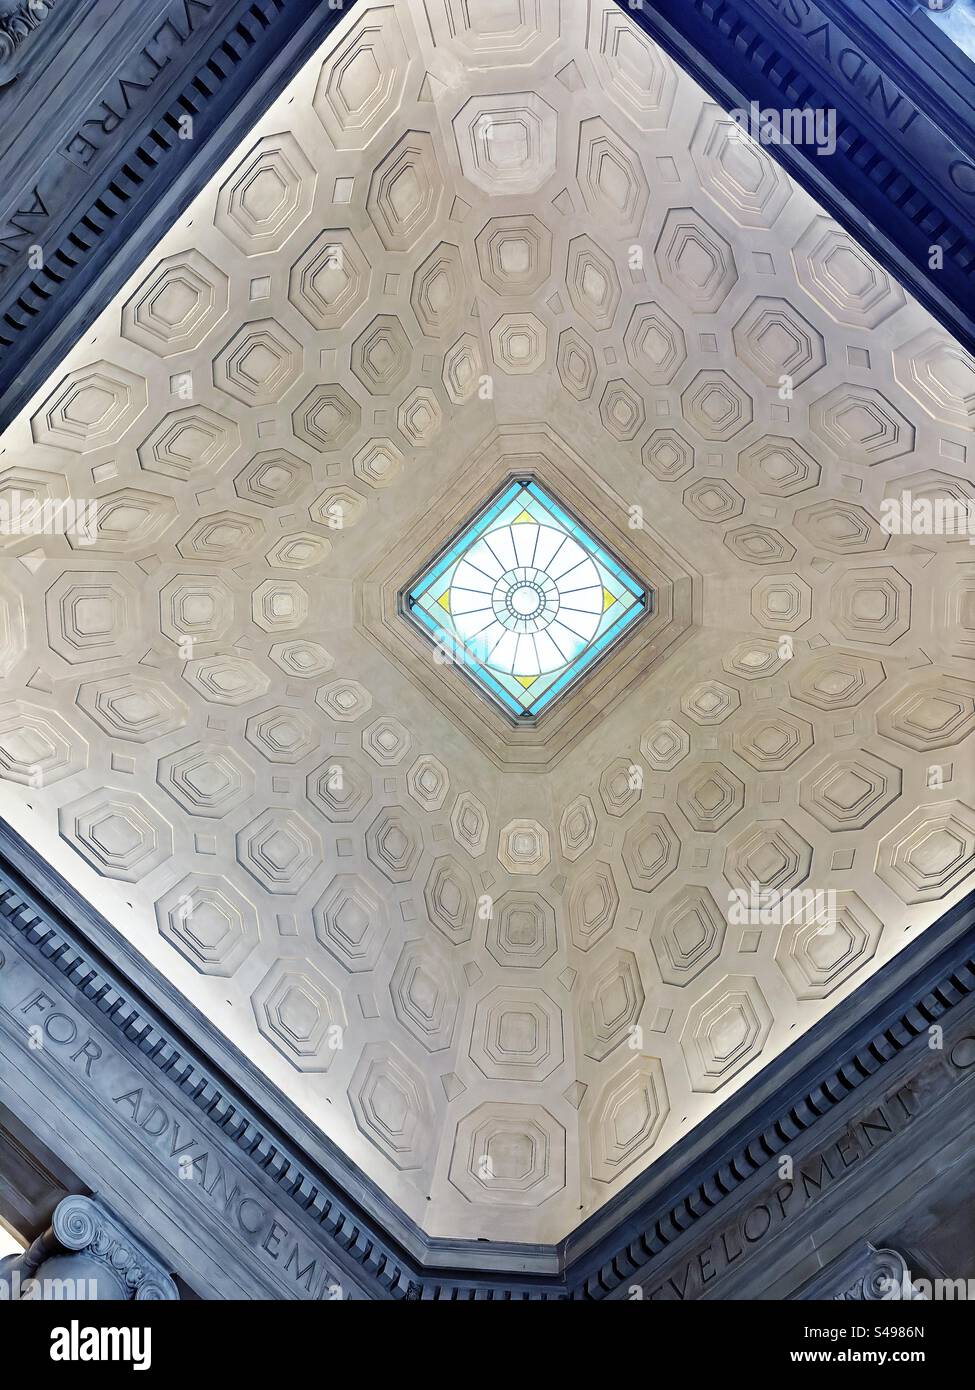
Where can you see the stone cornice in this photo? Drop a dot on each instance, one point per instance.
(97, 184)
(843, 1077)
(785, 1108)
(133, 1024)
(114, 166)
(902, 178)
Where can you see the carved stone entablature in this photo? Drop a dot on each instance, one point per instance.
(86, 1253)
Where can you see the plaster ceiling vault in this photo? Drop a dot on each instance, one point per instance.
(533, 194)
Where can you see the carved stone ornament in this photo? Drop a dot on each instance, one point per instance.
(85, 1253)
(864, 1274)
(18, 20)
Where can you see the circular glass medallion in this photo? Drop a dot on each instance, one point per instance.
(528, 598)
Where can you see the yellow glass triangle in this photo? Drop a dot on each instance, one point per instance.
(523, 517)
(526, 681)
(608, 599)
(444, 600)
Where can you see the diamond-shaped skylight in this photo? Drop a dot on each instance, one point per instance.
(525, 600)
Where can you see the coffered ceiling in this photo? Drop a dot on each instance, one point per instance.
(475, 239)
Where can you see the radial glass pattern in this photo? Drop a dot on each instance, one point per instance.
(525, 599)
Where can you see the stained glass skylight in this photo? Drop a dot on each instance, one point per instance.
(525, 599)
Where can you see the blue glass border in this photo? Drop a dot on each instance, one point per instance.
(463, 659)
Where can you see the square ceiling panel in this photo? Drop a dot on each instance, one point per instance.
(525, 599)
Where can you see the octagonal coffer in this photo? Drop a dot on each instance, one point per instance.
(525, 600)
